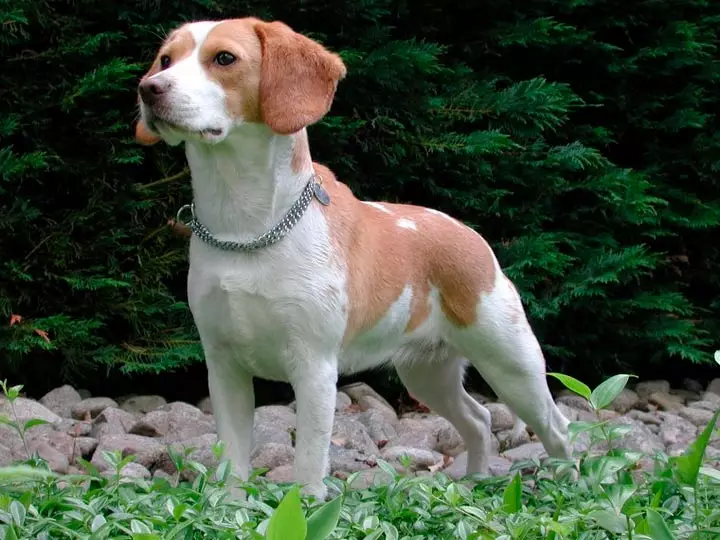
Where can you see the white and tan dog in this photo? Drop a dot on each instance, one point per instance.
(351, 285)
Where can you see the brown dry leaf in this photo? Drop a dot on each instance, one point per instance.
(15, 319)
(338, 442)
(353, 408)
(444, 462)
(42, 333)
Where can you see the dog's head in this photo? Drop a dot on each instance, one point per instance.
(210, 77)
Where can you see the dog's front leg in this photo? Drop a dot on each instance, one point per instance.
(233, 402)
(315, 389)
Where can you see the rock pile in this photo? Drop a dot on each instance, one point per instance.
(366, 428)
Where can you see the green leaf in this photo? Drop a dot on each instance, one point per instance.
(687, 466)
(287, 521)
(658, 528)
(512, 497)
(710, 473)
(97, 522)
(609, 520)
(34, 422)
(324, 520)
(571, 383)
(18, 512)
(608, 390)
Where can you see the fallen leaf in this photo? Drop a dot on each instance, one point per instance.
(353, 407)
(381, 443)
(15, 319)
(42, 333)
(338, 442)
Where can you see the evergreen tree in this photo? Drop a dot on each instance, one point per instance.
(578, 137)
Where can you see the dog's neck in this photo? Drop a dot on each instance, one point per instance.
(245, 184)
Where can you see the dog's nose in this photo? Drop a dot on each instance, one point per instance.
(152, 91)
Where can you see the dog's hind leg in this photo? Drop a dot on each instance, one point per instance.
(504, 349)
(438, 383)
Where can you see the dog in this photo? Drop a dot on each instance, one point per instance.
(292, 278)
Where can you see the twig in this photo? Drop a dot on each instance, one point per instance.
(179, 176)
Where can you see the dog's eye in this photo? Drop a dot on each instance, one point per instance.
(164, 61)
(224, 58)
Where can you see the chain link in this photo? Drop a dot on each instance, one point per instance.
(274, 235)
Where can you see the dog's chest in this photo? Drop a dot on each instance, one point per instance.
(261, 306)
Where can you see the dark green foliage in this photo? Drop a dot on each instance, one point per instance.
(579, 137)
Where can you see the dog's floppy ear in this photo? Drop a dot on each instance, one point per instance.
(298, 78)
(143, 135)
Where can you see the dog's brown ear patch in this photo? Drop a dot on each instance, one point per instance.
(144, 136)
(298, 78)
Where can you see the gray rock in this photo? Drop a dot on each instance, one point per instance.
(571, 399)
(368, 402)
(666, 401)
(70, 447)
(640, 438)
(143, 404)
(360, 389)
(174, 422)
(676, 431)
(568, 412)
(714, 387)
(111, 421)
(278, 416)
(370, 477)
(92, 406)
(272, 456)
(348, 432)
(526, 451)
(645, 388)
(502, 416)
(198, 449)
(625, 401)
(75, 428)
(281, 475)
(418, 458)
(27, 409)
(698, 417)
(205, 405)
(449, 440)
(61, 400)
(56, 460)
(693, 386)
(147, 451)
(712, 397)
(706, 405)
(342, 401)
(133, 470)
(84, 393)
(379, 429)
(645, 417)
(507, 439)
(347, 460)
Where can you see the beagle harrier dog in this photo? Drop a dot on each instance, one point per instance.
(292, 278)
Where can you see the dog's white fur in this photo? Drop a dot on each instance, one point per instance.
(282, 313)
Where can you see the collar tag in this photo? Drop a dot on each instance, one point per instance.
(320, 194)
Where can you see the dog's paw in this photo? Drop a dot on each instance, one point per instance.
(319, 491)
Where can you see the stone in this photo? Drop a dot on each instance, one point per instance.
(56, 460)
(342, 401)
(26, 409)
(348, 432)
(174, 422)
(697, 417)
(379, 428)
(347, 460)
(147, 451)
(130, 470)
(71, 447)
(61, 400)
(714, 387)
(568, 412)
(606, 414)
(626, 400)
(502, 416)
(676, 431)
(497, 466)
(526, 451)
(645, 388)
(205, 405)
(143, 404)
(666, 401)
(712, 397)
(356, 390)
(75, 428)
(278, 416)
(111, 421)
(92, 407)
(449, 440)
(368, 402)
(198, 449)
(706, 405)
(644, 417)
(507, 439)
(418, 458)
(415, 432)
(571, 399)
(370, 477)
(639, 439)
(271, 456)
(281, 475)
(84, 393)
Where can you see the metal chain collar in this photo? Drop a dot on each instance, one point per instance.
(274, 235)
